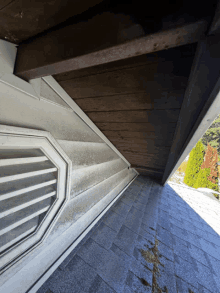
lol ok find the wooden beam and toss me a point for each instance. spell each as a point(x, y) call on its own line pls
point(199, 96)
point(182, 54)
point(150, 172)
point(85, 45)
point(145, 169)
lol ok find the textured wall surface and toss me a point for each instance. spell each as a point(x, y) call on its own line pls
point(98, 175)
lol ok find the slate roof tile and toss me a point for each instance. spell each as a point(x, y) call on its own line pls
point(154, 239)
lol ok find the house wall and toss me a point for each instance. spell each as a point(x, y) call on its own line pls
point(98, 176)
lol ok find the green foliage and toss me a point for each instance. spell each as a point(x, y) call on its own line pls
point(216, 122)
point(194, 163)
point(212, 135)
point(202, 180)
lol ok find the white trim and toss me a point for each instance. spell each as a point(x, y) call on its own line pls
point(36, 84)
point(33, 88)
point(17, 239)
point(22, 221)
point(10, 137)
point(207, 120)
point(27, 204)
point(18, 161)
point(19, 84)
point(136, 171)
point(26, 175)
point(54, 103)
point(68, 100)
point(56, 264)
point(8, 53)
point(27, 189)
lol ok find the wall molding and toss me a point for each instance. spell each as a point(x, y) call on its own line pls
point(62, 93)
point(33, 89)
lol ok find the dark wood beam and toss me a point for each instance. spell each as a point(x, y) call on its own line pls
point(103, 39)
point(156, 174)
point(145, 169)
point(202, 89)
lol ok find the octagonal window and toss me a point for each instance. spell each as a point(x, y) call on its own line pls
point(33, 178)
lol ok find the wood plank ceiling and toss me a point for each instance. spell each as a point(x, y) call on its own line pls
point(24, 19)
point(135, 101)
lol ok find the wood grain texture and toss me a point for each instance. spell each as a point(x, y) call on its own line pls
point(182, 55)
point(55, 51)
point(163, 77)
point(165, 137)
point(80, 46)
point(155, 117)
point(149, 148)
point(136, 127)
point(150, 173)
point(136, 61)
point(134, 101)
point(5, 3)
point(141, 141)
point(159, 171)
point(143, 159)
point(22, 19)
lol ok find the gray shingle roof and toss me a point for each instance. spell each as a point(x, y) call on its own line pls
point(154, 239)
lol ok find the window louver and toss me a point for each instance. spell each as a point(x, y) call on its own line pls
point(27, 191)
point(33, 182)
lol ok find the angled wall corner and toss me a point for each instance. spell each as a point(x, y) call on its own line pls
point(8, 53)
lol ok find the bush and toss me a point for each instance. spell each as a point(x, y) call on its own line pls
point(210, 162)
point(202, 180)
point(194, 164)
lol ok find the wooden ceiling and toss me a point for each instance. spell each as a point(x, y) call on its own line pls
point(135, 103)
point(127, 67)
point(21, 20)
